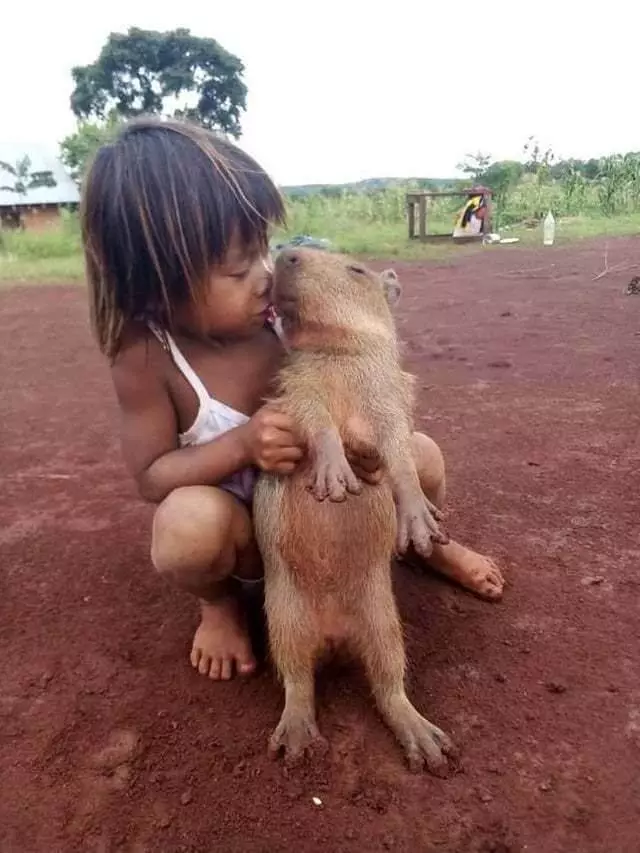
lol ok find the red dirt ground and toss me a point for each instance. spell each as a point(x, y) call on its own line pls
point(108, 739)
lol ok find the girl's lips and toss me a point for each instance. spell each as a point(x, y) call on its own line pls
point(269, 313)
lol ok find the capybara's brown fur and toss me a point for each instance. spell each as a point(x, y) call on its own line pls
point(328, 562)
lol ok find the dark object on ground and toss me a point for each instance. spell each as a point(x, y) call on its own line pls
point(303, 240)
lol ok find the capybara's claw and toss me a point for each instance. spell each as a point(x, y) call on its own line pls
point(333, 477)
point(417, 525)
point(425, 745)
point(326, 484)
point(429, 746)
point(318, 487)
point(435, 511)
point(296, 738)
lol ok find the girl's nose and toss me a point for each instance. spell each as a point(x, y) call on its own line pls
point(266, 284)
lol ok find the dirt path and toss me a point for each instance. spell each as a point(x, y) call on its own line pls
point(108, 740)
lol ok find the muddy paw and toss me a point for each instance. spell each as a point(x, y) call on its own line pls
point(296, 739)
point(424, 743)
point(417, 524)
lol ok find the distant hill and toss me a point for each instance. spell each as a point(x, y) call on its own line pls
point(370, 185)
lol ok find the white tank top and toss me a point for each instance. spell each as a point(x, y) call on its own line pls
point(213, 417)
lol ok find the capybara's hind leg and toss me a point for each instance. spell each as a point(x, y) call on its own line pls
point(382, 651)
point(294, 646)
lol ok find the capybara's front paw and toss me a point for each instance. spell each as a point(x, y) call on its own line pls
point(296, 737)
point(417, 524)
point(424, 743)
point(332, 476)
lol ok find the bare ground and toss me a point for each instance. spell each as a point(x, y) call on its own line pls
point(109, 741)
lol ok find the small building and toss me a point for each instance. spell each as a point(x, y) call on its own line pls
point(38, 209)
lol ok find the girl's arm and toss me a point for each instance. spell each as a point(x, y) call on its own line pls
point(150, 433)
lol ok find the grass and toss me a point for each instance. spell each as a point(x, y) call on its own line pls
point(371, 227)
point(17, 269)
point(46, 256)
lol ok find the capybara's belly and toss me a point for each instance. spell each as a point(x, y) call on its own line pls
point(327, 545)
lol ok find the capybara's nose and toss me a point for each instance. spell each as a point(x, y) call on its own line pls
point(290, 257)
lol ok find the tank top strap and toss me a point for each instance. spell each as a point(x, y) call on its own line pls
point(167, 342)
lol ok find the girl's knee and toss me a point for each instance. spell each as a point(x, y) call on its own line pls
point(430, 465)
point(195, 527)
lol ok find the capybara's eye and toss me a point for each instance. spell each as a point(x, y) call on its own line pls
point(357, 268)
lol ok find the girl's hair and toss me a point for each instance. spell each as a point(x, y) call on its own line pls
point(160, 206)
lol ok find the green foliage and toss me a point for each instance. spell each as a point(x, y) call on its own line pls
point(524, 191)
point(369, 218)
point(22, 179)
point(77, 149)
point(475, 165)
point(502, 176)
point(51, 255)
point(587, 169)
point(537, 160)
point(172, 73)
point(619, 183)
point(62, 242)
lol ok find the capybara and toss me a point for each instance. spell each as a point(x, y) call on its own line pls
point(328, 562)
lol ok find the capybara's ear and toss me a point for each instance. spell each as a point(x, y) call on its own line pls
point(391, 286)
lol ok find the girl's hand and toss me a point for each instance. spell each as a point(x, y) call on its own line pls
point(271, 442)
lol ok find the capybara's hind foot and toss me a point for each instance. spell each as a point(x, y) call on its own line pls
point(296, 737)
point(424, 743)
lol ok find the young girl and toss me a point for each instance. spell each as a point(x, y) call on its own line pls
point(175, 225)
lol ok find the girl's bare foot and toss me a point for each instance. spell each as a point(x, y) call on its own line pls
point(473, 571)
point(221, 646)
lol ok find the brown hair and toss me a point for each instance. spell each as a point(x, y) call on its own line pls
point(160, 205)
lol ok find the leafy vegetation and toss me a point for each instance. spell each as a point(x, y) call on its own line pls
point(144, 72)
point(77, 149)
point(172, 73)
point(595, 188)
point(370, 218)
point(22, 179)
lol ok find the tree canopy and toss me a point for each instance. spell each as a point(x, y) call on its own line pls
point(173, 74)
point(78, 148)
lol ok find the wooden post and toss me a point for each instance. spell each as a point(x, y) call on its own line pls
point(489, 217)
point(422, 217)
point(412, 218)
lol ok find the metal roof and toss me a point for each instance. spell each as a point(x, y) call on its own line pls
point(64, 192)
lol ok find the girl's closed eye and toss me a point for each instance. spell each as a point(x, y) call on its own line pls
point(240, 274)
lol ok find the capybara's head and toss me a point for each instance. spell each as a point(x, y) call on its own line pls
point(315, 287)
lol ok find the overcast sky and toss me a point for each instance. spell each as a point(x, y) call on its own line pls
point(339, 92)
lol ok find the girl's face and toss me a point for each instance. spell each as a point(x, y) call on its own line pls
point(238, 297)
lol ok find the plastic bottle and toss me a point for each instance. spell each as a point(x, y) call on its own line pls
point(549, 229)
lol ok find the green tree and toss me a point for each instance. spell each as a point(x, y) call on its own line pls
point(538, 161)
point(23, 178)
point(173, 74)
point(501, 177)
point(77, 149)
point(475, 165)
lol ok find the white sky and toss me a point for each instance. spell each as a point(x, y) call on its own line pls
point(339, 92)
